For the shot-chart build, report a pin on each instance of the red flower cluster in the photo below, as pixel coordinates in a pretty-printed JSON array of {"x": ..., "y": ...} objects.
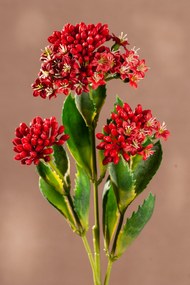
[
  {"x": 76, "y": 60},
  {"x": 35, "y": 142},
  {"x": 129, "y": 133}
]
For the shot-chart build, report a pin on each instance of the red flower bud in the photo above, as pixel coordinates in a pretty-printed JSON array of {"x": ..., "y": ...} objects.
[
  {"x": 27, "y": 146},
  {"x": 35, "y": 142},
  {"x": 99, "y": 136}
]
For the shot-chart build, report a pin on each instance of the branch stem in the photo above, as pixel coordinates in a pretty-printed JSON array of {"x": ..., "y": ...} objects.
[
  {"x": 108, "y": 272},
  {"x": 96, "y": 227},
  {"x": 90, "y": 257}
]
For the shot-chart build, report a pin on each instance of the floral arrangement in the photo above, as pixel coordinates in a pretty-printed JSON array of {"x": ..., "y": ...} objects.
[{"x": 78, "y": 62}]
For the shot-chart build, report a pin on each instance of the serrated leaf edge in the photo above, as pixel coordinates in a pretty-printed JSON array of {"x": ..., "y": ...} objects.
[
  {"x": 132, "y": 215},
  {"x": 71, "y": 223},
  {"x": 141, "y": 206}
]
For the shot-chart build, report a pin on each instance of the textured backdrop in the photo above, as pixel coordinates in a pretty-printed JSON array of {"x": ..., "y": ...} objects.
[{"x": 36, "y": 245}]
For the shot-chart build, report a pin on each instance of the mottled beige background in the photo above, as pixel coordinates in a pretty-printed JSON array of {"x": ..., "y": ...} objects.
[{"x": 36, "y": 245}]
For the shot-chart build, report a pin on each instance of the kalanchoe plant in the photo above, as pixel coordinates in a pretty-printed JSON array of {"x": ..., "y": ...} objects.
[{"x": 78, "y": 63}]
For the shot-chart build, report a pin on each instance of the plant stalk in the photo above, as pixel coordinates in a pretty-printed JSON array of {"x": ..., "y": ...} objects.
[
  {"x": 90, "y": 257},
  {"x": 112, "y": 254},
  {"x": 96, "y": 227},
  {"x": 108, "y": 272}
]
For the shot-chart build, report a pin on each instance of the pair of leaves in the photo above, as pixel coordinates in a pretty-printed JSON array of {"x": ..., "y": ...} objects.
[
  {"x": 79, "y": 116},
  {"x": 57, "y": 200},
  {"x": 128, "y": 182},
  {"x": 134, "y": 225},
  {"x": 52, "y": 185},
  {"x": 79, "y": 142},
  {"x": 90, "y": 104},
  {"x": 122, "y": 187}
]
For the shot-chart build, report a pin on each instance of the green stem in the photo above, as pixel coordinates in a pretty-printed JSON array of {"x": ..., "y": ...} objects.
[
  {"x": 112, "y": 254},
  {"x": 108, "y": 272},
  {"x": 96, "y": 227},
  {"x": 90, "y": 257},
  {"x": 96, "y": 235}
]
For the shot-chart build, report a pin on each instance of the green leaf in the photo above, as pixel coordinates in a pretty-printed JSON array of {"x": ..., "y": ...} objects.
[
  {"x": 62, "y": 162},
  {"x": 90, "y": 104},
  {"x": 98, "y": 97},
  {"x": 123, "y": 183},
  {"x": 144, "y": 170},
  {"x": 82, "y": 196},
  {"x": 56, "y": 199},
  {"x": 110, "y": 213},
  {"x": 86, "y": 107},
  {"x": 134, "y": 225},
  {"x": 115, "y": 47},
  {"x": 79, "y": 142},
  {"x": 50, "y": 177},
  {"x": 118, "y": 101}
]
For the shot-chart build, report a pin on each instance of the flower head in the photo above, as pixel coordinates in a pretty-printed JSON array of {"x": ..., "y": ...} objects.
[
  {"x": 129, "y": 133},
  {"x": 77, "y": 59},
  {"x": 34, "y": 142}
]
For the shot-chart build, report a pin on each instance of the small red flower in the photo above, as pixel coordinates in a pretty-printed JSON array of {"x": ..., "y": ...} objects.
[
  {"x": 146, "y": 152},
  {"x": 162, "y": 131},
  {"x": 43, "y": 87},
  {"x": 103, "y": 61},
  {"x": 121, "y": 40},
  {"x": 35, "y": 142},
  {"x": 133, "y": 79},
  {"x": 96, "y": 80},
  {"x": 141, "y": 68},
  {"x": 129, "y": 133}
]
